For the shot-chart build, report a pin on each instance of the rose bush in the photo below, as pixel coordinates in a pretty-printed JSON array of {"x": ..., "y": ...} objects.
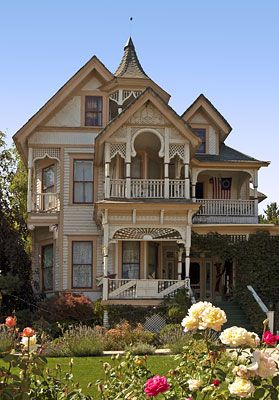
[{"x": 235, "y": 366}]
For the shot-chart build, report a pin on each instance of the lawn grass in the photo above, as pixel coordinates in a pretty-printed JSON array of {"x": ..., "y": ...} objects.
[{"x": 89, "y": 369}]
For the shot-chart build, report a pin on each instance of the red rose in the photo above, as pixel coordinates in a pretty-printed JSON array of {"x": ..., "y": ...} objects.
[
  {"x": 28, "y": 332},
  {"x": 10, "y": 322},
  {"x": 269, "y": 338},
  {"x": 216, "y": 382},
  {"x": 154, "y": 386}
]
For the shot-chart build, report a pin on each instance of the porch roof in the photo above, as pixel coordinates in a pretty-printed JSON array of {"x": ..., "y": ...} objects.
[{"x": 227, "y": 154}]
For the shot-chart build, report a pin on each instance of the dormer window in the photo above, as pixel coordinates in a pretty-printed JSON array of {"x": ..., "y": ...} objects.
[
  {"x": 201, "y": 133},
  {"x": 93, "y": 111}
]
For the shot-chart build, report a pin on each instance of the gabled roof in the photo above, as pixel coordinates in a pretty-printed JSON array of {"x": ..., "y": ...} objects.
[
  {"x": 130, "y": 66},
  {"x": 227, "y": 154},
  {"x": 149, "y": 95},
  {"x": 63, "y": 93},
  {"x": 208, "y": 107}
]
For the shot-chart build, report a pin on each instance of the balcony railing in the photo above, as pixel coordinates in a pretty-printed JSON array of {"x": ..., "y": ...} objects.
[
  {"x": 227, "y": 207},
  {"x": 147, "y": 188},
  {"x": 46, "y": 202},
  {"x": 142, "y": 288}
]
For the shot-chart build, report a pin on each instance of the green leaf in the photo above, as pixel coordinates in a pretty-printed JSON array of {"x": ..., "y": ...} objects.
[
  {"x": 259, "y": 393},
  {"x": 275, "y": 381}
]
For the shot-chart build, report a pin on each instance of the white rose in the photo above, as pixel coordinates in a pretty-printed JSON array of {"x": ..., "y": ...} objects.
[
  {"x": 241, "y": 387},
  {"x": 194, "y": 384},
  {"x": 234, "y": 336},
  {"x": 32, "y": 343}
]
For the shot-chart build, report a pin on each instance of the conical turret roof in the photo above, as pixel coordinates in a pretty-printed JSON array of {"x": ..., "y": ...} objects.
[{"x": 130, "y": 66}]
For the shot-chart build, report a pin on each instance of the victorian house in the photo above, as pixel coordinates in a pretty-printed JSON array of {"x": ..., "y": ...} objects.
[{"x": 118, "y": 181}]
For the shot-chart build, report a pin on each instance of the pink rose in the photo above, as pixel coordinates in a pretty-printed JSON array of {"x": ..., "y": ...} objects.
[
  {"x": 157, "y": 384},
  {"x": 269, "y": 338}
]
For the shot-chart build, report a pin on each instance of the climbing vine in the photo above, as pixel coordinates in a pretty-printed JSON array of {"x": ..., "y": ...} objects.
[{"x": 256, "y": 263}]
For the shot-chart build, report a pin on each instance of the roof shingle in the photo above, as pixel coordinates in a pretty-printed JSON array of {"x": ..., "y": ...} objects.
[{"x": 130, "y": 66}]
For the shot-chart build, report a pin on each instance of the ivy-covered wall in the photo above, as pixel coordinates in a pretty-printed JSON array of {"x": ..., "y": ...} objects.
[{"x": 257, "y": 264}]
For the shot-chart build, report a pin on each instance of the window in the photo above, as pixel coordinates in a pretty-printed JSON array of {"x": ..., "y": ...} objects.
[
  {"x": 201, "y": 133},
  {"x": 47, "y": 267},
  {"x": 82, "y": 264},
  {"x": 130, "y": 260},
  {"x": 48, "y": 187},
  {"x": 93, "y": 110},
  {"x": 199, "y": 190},
  {"x": 83, "y": 181}
]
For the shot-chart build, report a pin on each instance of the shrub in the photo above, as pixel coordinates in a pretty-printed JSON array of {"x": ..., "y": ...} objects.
[
  {"x": 124, "y": 334},
  {"x": 170, "y": 334},
  {"x": 6, "y": 340},
  {"x": 141, "y": 349},
  {"x": 77, "y": 341},
  {"x": 66, "y": 307}
]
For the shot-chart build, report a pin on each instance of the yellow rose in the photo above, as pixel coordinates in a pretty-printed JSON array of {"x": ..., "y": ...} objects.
[
  {"x": 241, "y": 387},
  {"x": 194, "y": 384},
  {"x": 189, "y": 324},
  {"x": 212, "y": 318},
  {"x": 32, "y": 343},
  {"x": 234, "y": 336},
  {"x": 196, "y": 310},
  {"x": 253, "y": 339}
]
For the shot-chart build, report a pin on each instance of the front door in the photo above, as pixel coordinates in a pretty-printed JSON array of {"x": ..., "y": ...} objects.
[
  {"x": 201, "y": 278},
  {"x": 152, "y": 263}
]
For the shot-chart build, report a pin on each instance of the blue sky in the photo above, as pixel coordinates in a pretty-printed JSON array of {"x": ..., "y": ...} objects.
[{"x": 227, "y": 50}]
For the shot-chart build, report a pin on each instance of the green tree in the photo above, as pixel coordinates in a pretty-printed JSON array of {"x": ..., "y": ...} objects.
[
  {"x": 271, "y": 214},
  {"x": 15, "y": 265}
]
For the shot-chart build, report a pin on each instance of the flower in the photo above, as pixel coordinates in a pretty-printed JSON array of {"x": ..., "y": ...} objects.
[
  {"x": 216, "y": 382},
  {"x": 241, "y": 387},
  {"x": 234, "y": 336},
  {"x": 203, "y": 315},
  {"x": 10, "y": 322},
  {"x": 253, "y": 339},
  {"x": 154, "y": 386},
  {"x": 189, "y": 323},
  {"x": 194, "y": 384},
  {"x": 264, "y": 366},
  {"x": 29, "y": 343},
  {"x": 269, "y": 338},
  {"x": 28, "y": 332},
  {"x": 212, "y": 318}
]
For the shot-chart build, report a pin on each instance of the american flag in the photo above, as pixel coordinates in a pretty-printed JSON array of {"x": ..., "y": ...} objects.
[{"x": 221, "y": 188}]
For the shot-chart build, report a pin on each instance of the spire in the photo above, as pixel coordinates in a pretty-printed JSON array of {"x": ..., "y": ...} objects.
[{"x": 130, "y": 66}]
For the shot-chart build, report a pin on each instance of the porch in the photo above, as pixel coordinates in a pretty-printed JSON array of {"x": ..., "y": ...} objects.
[
  {"x": 134, "y": 289},
  {"x": 220, "y": 211}
]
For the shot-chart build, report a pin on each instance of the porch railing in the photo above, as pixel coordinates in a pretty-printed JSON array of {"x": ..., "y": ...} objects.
[
  {"x": 142, "y": 288},
  {"x": 147, "y": 188},
  {"x": 46, "y": 202},
  {"x": 227, "y": 207}
]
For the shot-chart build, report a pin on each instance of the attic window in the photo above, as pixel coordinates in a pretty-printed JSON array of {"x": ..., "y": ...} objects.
[
  {"x": 93, "y": 110},
  {"x": 201, "y": 133}
]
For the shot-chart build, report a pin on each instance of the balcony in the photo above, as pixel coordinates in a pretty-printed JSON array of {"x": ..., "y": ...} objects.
[
  {"x": 227, "y": 211},
  {"x": 147, "y": 189},
  {"x": 137, "y": 289},
  {"x": 45, "y": 203}
]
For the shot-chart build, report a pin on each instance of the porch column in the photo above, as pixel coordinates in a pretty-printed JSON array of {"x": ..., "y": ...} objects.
[
  {"x": 194, "y": 191},
  {"x": 107, "y": 170},
  {"x": 105, "y": 255},
  {"x": 29, "y": 184},
  {"x": 128, "y": 164},
  {"x": 255, "y": 187},
  {"x": 186, "y": 171},
  {"x": 166, "y": 181},
  {"x": 179, "y": 264},
  {"x": 166, "y": 165},
  {"x": 187, "y": 263}
]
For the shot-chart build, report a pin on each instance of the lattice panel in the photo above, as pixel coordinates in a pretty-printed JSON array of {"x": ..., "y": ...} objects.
[
  {"x": 115, "y": 96},
  {"x": 155, "y": 323},
  {"x": 118, "y": 148},
  {"x": 176, "y": 149},
  {"x": 51, "y": 152},
  {"x": 147, "y": 233}
]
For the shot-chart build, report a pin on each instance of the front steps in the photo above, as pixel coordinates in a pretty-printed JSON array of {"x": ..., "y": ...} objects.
[{"x": 235, "y": 315}]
